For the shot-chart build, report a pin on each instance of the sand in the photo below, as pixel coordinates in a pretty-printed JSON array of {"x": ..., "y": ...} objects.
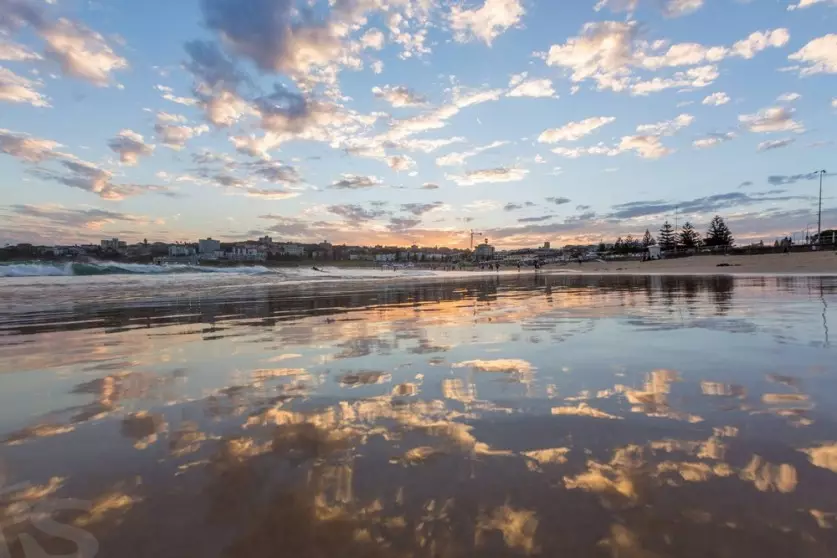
[{"x": 801, "y": 263}]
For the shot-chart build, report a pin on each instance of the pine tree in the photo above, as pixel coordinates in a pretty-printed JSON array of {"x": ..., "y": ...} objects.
[
  {"x": 718, "y": 234},
  {"x": 667, "y": 237},
  {"x": 689, "y": 238},
  {"x": 648, "y": 240}
]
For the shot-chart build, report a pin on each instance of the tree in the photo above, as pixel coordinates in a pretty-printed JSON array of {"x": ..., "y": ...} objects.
[
  {"x": 667, "y": 238},
  {"x": 648, "y": 240},
  {"x": 689, "y": 237},
  {"x": 618, "y": 245},
  {"x": 718, "y": 234}
]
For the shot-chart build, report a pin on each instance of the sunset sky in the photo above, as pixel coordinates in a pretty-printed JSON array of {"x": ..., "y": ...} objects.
[{"x": 413, "y": 121}]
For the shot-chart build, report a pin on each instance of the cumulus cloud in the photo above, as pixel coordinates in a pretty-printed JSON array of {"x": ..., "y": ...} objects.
[
  {"x": 713, "y": 139},
  {"x": 574, "y": 131},
  {"x": 608, "y": 53},
  {"x": 399, "y": 96},
  {"x": 17, "y": 89},
  {"x": 355, "y": 182},
  {"x": 666, "y": 127},
  {"x": 774, "y": 144},
  {"x": 130, "y": 146},
  {"x": 487, "y": 22},
  {"x": 773, "y": 119},
  {"x": 81, "y": 52},
  {"x": 716, "y": 99},
  {"x": 402, "y": 224},
  {"x": 488, "y": 176},
  {"x": 459, "y": 158},
  {"x": 819, "y": 56},
  {"x": 400, "y": 163},
  {"x": 646, "y": 143},
  {"x": 168, "y": 94},
  {"x": 173, "y": 132},
  {"x": 521, "y": 86},
  {"x": 670, "y": 8},
  {"x": 373, "y": 39}
]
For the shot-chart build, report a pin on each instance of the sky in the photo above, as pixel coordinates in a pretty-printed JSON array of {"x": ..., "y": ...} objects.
[{"x": 414, "y": 121}]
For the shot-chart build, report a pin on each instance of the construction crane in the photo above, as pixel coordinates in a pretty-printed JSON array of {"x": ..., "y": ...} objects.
[{"x": 473, "y": 232}]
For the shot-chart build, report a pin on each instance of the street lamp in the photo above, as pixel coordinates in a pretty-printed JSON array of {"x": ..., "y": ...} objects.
[{"x": 819, "y": 210}]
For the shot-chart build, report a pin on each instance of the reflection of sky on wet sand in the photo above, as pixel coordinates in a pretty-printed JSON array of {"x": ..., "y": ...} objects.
[{"x": 578, "y": 416}]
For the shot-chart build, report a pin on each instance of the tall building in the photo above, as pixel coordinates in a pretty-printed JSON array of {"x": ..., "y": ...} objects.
[
  {"x": 546, "y": 245},
  {"x": 208, "y": 246},
  {"x": 484, "y": 251}
]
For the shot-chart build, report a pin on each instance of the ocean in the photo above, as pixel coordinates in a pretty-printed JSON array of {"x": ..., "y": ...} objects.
[{"x": 291, "y": 412}]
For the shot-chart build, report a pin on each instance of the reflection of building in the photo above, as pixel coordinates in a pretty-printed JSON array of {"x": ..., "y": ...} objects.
[{"x": 484, "y": 251}]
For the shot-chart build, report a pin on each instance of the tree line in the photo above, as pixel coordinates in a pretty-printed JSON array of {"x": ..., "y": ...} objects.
[{"x": 718, "y": 234}]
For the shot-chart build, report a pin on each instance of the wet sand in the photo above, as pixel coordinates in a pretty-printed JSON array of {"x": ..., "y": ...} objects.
[
  {"x": 800, "y": 263},
  {"x": 552, "y": 415}
]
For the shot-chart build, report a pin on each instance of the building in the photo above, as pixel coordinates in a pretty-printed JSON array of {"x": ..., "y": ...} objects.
[
  {"x": 484, "y": 251},
  {"x": 265, "y": 240},
  {"x": 180, "y": 251},
  {"x": 114, "y": 244},
  {"x": 247, "y": 253},
  {"x": 209, "y": 246},
  {"x": 546, "y": 245},
  {"x": 296, "y": 250}
]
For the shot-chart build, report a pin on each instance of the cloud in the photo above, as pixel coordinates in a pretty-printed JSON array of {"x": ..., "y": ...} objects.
[
  {"x": 264, "y": 193},
  {"x": 130, "y": 146},
  {"x": 666, "y": 127},
  {"x": 17, "y": 89},
  {"x": 419, "y": 209},
  {"x": 168, "y": 95},
  {"x": 429, "y": 186},
  {"x": 481, "y": 206},
  {"x": 608, "y": 53},
  {"x": 716, "y": 99},
  {"x": 356, "y": 213},
  {"x": 647, "y": 147},
  {"x": 401, "y": 224},
  {"x": 271, "y": 171},
  {"x": 773, "y": 119},
  {"x": 783, "y": 180},
  {"x": 670, "y": 8},
  {"x": 808, "y": 3},
  {"x": 713, "y": 139},
  {"x": 535, "y": 219},
  {"x": 399, "y": 96},
  {"x": 373, "y": 39},
  {"x": 400, "y": 163},
  {"x": 820, "y": 55},
  {"x": 707, "y": 204},
  {"x": 512, "y": 207},
  {"x": 457, "y": 159},
  {"x": 488, "y": 176},
  {"x": 81, "y": 53},
  {"x": 26, "y": 147},
  {"x": 774, "y": 144},
  {"x": 487, "y": 22},
  {"x": 87, "y": 176},
  {"x": 788, "y": 97},
  {"x": 172, "y": 131},
  {"x": 355, "y": 182},
  {"x": 558, "y": 200},
  {"x": 92, "y": 218},
  {"x": 574, "y": 131},
  {"x": 211, "y": 67},
  {"x": 14, "y": 52},
  {"x": 520, "y": 86}
]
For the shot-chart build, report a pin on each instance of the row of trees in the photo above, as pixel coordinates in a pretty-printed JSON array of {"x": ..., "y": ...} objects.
[{"x": 687, "y": 238}]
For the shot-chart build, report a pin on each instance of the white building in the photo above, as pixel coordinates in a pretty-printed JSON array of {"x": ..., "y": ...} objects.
[
  {"x": 114, "y": 244},
  {"x": 384, "y": 257},
  {"x": 293, "y": 250},
  {"x": 244, "y": 253},
  {"x": 208, "y": 246},
  {"x": 179, "y": 251}
]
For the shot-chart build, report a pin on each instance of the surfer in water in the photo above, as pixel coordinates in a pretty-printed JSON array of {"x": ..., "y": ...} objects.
[{"x": 315, "y": 268}]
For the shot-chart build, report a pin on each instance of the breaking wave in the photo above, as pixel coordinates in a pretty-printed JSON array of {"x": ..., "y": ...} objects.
[{"x": 66, "y": 269}]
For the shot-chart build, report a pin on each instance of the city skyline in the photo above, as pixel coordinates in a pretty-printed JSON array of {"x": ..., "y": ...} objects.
[{"x": 401, "y": 122}]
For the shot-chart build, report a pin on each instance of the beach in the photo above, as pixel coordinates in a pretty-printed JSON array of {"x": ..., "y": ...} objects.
[
  {"x": 557, "y": 414},
  {"x": 792, "y": 263}
]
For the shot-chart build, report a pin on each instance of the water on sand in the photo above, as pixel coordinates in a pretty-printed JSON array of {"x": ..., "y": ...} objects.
[{"x": 554, "y": 415}]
